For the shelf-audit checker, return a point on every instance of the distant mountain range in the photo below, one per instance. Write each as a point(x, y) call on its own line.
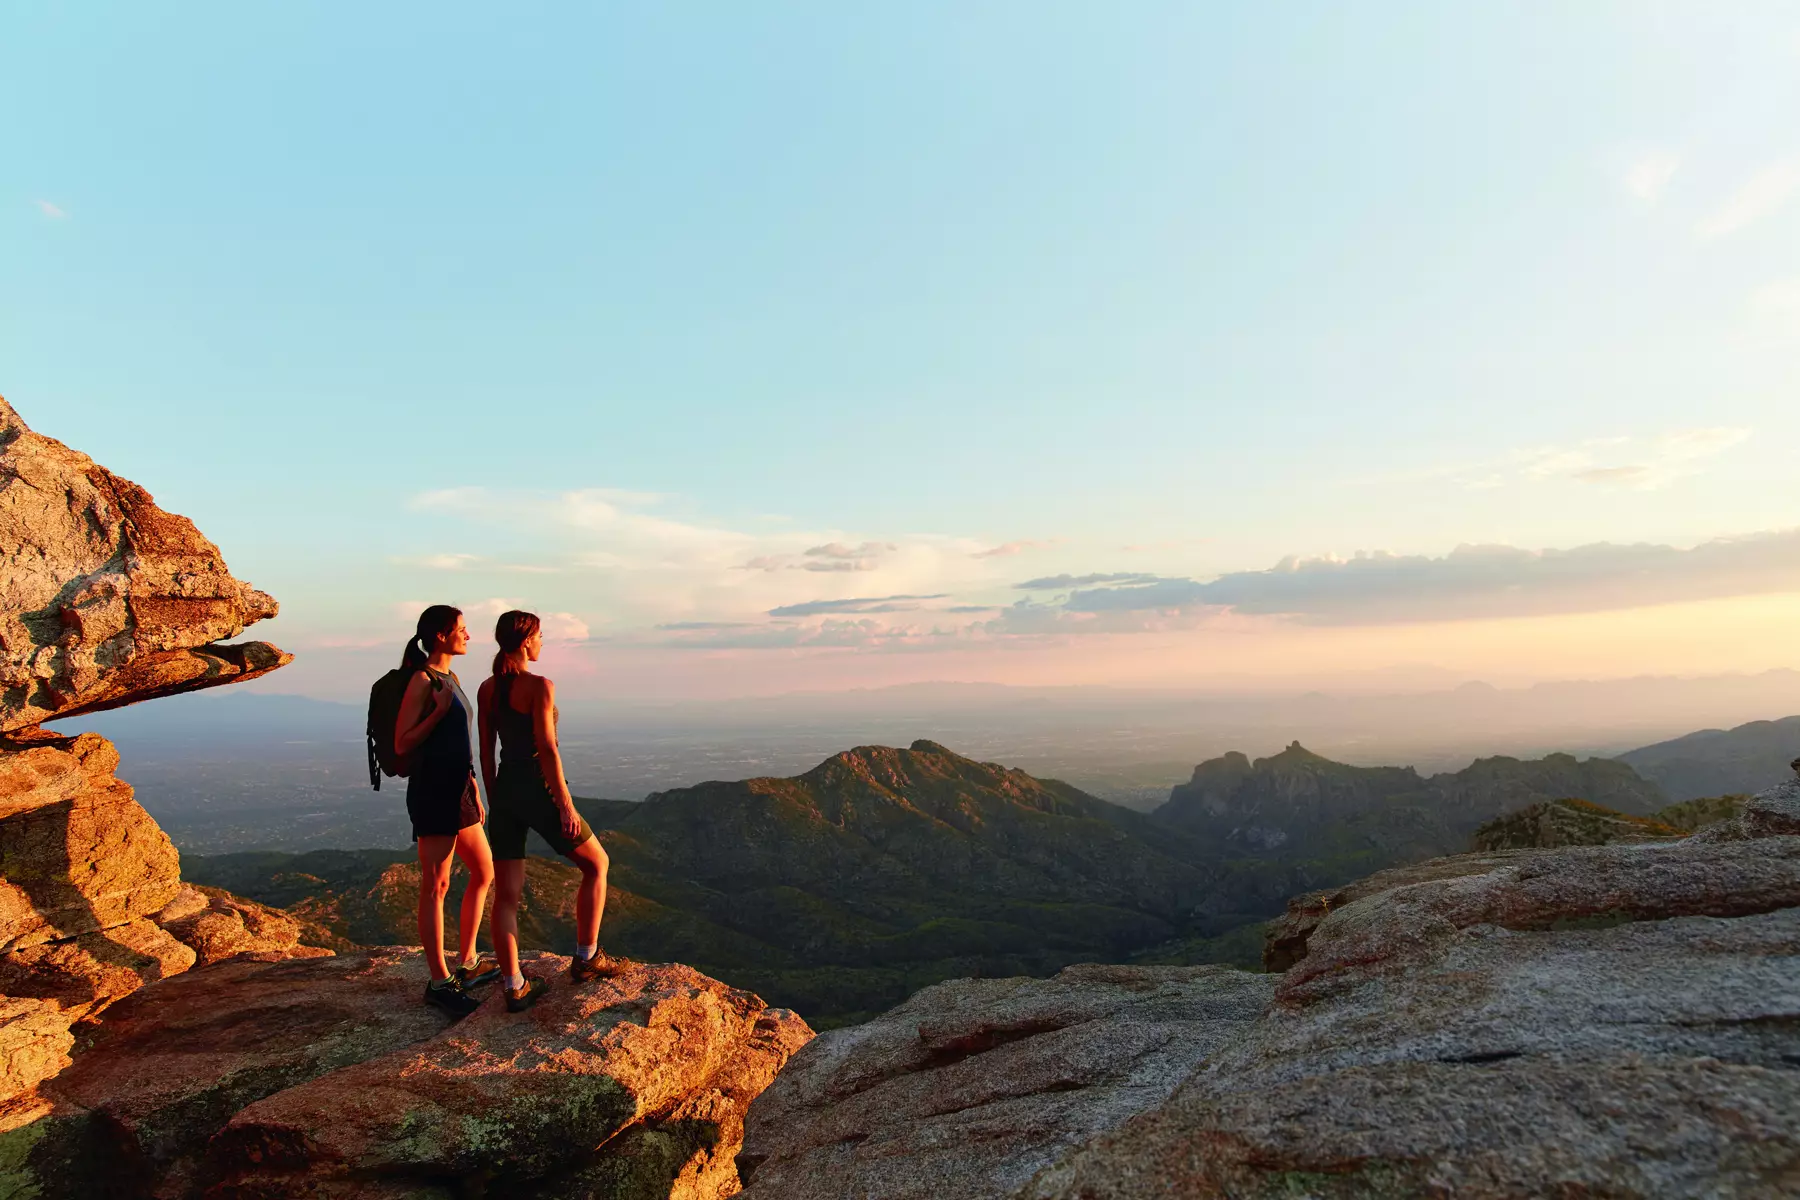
point(1713, 762)
point(842, 890)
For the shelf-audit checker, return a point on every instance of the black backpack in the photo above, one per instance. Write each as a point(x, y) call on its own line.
point(384, 717)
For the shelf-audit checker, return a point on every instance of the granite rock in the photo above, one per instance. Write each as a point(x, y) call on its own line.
point(1619, 1021)
point(638, 1083)
point(105, 599)
point(973, 1086)
point(228, 925)
point(329, 1077)
point(77, 853)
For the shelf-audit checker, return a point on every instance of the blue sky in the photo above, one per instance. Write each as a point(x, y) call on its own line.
point(664, 318)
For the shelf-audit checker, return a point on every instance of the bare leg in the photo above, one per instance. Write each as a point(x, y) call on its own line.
point(472, 848)
point(434, 882)
point(590, 901)
point(509, 884)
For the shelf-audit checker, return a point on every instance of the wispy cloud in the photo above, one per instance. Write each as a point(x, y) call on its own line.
point(1646, 175)
point(1471, 582)
point(1051, 583)
point(1643, 462)
point(1763, 193)
point(557, 626)
point(839, 550)
point(1009, 549)
point(52, 211)
point(864, 604)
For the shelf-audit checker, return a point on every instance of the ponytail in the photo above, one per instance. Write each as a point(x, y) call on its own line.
point(434, 621)
point(512, 631)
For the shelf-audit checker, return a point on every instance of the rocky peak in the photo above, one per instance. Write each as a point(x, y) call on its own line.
point(105, 599)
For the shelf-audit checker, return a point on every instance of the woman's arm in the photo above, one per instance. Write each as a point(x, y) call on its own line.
point(484, 705)
point(424, 705)
point(543, 724)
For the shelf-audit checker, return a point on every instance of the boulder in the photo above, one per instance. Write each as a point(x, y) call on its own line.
point(1285, 939)
point(77, 853)
point(972, 1087)
point(329, 1077)
point(86, 974)
point(228, 925)
point(105, 599)
point(172, 1063)
point(1773, 813)
point(1612, 1020)
point(632, 1086)
point(34, 1045)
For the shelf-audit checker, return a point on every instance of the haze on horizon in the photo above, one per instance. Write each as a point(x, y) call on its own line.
point(804, 348)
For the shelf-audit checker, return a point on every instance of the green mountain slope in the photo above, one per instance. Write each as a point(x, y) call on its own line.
point(1554, 823)
point(1316, 823)
point(1713, 762)
point(838, 892)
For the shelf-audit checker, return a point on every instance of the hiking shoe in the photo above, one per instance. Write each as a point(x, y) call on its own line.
point(450, 997)
point(601, 966)
point(520, 999)
point(485, 971)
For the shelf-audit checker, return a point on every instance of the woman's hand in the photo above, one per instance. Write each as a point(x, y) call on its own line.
point(571, 820)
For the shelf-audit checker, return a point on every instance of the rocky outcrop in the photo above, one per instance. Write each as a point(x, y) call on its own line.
point(77, 853)
point(1611, 1020)
point(218, 926)
point(1616, 1020)
point(1285, 938)
point(105, 599)
point(328, 1077)
point(972, 1087)
point(1555, 823)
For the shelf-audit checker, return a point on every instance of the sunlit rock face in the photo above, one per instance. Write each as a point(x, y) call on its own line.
point(105, 599)
point(326, 1077)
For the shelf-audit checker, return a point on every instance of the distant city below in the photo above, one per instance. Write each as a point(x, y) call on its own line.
point(242, 769)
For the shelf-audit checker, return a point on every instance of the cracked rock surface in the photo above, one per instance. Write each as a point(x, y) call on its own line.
point(1607, 1020)
point(1617, 1020)
point(973, 1086)
point(322, 1077)
point(105, 599)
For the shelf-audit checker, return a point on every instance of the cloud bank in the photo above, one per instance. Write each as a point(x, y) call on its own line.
point(1472, 582)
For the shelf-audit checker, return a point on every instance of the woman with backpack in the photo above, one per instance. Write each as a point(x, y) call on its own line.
point(530, 793)
point(435, 730)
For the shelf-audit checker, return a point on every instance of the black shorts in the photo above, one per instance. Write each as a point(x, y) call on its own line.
point(439, 807)
point(521, 804)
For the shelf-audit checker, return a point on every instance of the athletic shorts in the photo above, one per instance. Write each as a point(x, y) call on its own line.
point(523, 803)
point(442, 806)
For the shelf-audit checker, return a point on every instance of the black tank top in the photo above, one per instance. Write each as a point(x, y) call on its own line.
point(518, 740)
point(447, 752)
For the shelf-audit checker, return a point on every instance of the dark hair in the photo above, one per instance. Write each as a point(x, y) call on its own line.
point(512, 631)
point(435, 621)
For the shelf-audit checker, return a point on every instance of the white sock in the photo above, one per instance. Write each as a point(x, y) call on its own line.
point(516, 982)
point(587, 951)
point(471, 960)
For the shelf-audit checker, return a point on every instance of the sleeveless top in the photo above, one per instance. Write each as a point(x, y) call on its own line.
point(447, 755)
point(518, 739)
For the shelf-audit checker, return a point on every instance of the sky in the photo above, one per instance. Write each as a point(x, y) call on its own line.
point(809, 346)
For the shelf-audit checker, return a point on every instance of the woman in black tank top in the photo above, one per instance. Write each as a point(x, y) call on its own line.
point(444, 800)
point(530, 795)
